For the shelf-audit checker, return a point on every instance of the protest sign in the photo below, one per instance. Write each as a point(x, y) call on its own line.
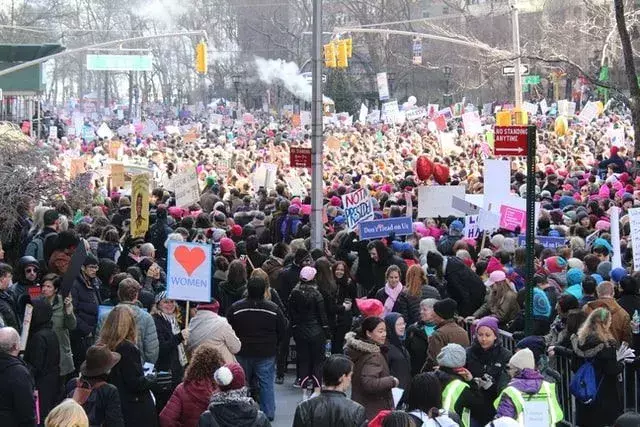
point(139, 205)
point(488, 221)
point(189, 271)
point(634, 222)
point(546, 241)
point(448, 143)
point(512, 218)
point(358, 207)
point(114, 149)
point(376, 229)
point(77, 167)
point(446, 113)
point(305, 118)
point(616, 136)
point(487, 109)
point(530, 108)
point(435, 201)
point(265, 176)
point(471, 122)
point(117, 175)
point(104, 132)
point(416, 113)
point(389, 111)
point(73, 271)
point(432, 110)
point(471, 228)
point(26, 323)
point(185, 187)
point(614, 216)
point(464, 206)
point(498, 173)
point(589, 112)
point(383, 86)
point(296, 186)
point(563, 107)
point(373, 117)
point(440, 122)
point(363, 114)
point(53, 132)
point(544, 107)
point(571, 109)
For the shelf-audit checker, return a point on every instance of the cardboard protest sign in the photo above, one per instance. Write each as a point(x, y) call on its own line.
point(26, 323)
point(357, 207)
point(379, 228)
point(114, 149)
point(634, 222)
point(435, 201)
point(189, 271)
point(448, 143)
point(389, 111)
point(139, 205)
point(362, 117)
point(588, 113)
point(471, 228)
point(512, 218)
point(77, 167)
point(185, 187)
point(117, 175)
point(471, 122)
point(295, 184)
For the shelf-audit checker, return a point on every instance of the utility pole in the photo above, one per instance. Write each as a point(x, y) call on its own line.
point(316, 129)
point(517, 78)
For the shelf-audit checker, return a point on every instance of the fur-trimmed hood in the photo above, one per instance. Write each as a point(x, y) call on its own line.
point(588, 348)
point(356, 348)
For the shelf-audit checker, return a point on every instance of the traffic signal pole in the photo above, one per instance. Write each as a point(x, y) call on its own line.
point(316, 129)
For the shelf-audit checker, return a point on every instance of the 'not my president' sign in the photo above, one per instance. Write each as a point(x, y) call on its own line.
point(357, 207)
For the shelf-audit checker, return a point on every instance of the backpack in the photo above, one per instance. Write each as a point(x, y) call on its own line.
point(83, 390)
point(584, 385)
point(35, 248)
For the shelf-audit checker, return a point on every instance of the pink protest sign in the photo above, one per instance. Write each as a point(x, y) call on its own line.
point(510, 218)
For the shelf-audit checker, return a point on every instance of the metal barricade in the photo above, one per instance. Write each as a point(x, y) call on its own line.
point(630, 387)
point(565, 399)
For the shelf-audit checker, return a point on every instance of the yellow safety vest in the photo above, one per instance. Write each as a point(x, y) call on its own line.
point(546, 394)
point(450, 397)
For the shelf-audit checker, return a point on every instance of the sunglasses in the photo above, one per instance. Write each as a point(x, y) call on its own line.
point(31, 270)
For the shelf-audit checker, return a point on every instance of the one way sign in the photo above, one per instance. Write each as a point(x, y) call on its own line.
point(510, 70)
point(510, 141)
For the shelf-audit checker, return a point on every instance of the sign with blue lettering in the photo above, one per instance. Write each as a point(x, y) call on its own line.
point(401, 226)
point(357, 207)
point(545, 241)
point(189, 271)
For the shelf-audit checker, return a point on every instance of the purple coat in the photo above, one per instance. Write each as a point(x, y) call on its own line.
point(528, 381)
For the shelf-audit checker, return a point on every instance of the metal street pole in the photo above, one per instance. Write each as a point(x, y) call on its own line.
point(531, 227)
point(316, 128)
point(517, 78)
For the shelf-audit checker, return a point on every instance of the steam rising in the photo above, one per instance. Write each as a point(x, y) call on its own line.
point(286, 73)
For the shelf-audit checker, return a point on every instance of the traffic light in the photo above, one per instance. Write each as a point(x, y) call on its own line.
point(330, 55)
point(201, 57)
point(350, 46)
point(342, 54)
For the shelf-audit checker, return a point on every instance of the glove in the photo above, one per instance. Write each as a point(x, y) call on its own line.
point(624, 353)
point(151, 376)
point(485, 382)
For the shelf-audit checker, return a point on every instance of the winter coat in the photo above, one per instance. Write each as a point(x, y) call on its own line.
point(399, 363)
point(108, 250)
point(287, 280)
point(371, 380)
point(62, 324)
point(446, 333)
point(379, 268)
point(188, 401)
point(228, 294)
point(85, 300)
point(103, 406)
point(620, 319)
point(16, 393)
point(471, 398)
point(446, 243)
point(417, 343)
point(307, 313)
point(505, 310)
point(232, 409)
point(406, 305)
point(42, 356)
point(8, 311)
point(630, 303)
point(493, 362)
point(147, 336)
point(330, 408)
point(209, 326)
point(272, 266)
point(168, 354)
point(138, 408)
point(528, 381)
point(158, 233)
point(464, 286)
point(260, 326)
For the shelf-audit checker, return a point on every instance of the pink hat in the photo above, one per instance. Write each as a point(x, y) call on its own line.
point(370, 307)
point(305, 210)
point(307, 274)
point(602, 225)
point(227, 247)
point(496, 276)
point(494, 265)
point(604, 192)
point(296, 201)
point(335, 201)
point(419, 228)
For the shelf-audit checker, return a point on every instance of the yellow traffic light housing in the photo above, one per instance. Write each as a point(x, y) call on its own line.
point(201, 58)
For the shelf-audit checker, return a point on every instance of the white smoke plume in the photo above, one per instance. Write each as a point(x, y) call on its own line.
point(286, 73)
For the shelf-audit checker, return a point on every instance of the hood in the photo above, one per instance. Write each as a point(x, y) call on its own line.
point(559, 278)
point(233, 290)
point(199, 391)
point(356, 348)
point(272, 263)
point(528, 381)
point(588, 348)
point(42, 313)
point(231, 410)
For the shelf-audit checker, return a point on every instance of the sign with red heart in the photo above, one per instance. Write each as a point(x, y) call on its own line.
point(189, 271)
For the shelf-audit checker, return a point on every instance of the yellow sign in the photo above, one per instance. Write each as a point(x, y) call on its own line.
point(139, 205)
point(117, 175)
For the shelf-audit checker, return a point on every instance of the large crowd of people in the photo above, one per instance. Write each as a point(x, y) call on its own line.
point(398, 331)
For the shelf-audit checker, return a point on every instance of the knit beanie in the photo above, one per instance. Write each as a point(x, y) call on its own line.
point(488, 322)
point(555, 264)
point(604, 269)
point(541, 304)
point(574, 277)
point(523, 359)
point(227, 246)
point(494, 265)
point(534, 343)
point(452, 356)
point(446, 308)
point(617, 274)
point(230, 377)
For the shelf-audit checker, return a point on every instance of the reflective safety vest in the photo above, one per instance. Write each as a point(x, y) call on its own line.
point(450, 397)
point(538, 409)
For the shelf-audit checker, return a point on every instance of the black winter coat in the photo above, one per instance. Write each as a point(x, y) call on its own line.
point(471, 398)
point(42, 355)
point(492, 362)
point(8, 311)
point(85, 306)
point(331, 408)
point(404, 305)
point(287, 280)
point(464, 286)
point(108, 250)
point(168, 358)
point(103, 405)
point(234, 414)
point(228, 294)
point(399, 364)
point(417, 344)
point(260, 326)
point(137, 404)
point(17, 405)
point(307, 313)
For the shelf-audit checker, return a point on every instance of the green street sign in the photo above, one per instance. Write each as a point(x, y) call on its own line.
point(120, 62)
point(531, 80)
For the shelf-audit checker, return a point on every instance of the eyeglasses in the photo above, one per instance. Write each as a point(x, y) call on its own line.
point(31, 270)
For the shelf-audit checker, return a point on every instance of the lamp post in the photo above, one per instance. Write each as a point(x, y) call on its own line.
point(236, 84)
point(446, 99)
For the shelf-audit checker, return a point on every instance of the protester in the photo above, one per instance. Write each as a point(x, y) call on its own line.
point(67, 414)
point(397, 355)
point(236, 285)
point(8, 308)
point(446, 332)
point(372, 381)
point(332, 407)
point(424, 402)
point(417, 340)
point(86, 299)
point(620, 319)
point(26, 283)
point(208, 326)
point(16, 383)
point(394, 298)
point(191, 397)
point(347, 294)
point(502, 300)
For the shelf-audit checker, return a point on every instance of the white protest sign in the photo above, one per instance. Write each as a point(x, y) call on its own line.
point(172, 130)
point(476, 199)
point(416, 113)
point(265, 176)
point(26, 323)
point(448, 143)
point(536, 413)
point(295, 185)
point(530, 108)
point(464, 206)
point(498, 173)
point(488, 221)
point(383, 86)
point(185, 186)
point(471, 122)
point(189, 271)
point(471, 229)
point(305, 118)
point(373, 117)
point(616, 136)
point(357, 207)
point(120, 114)
point(389, 111)
point(435, 201)
point(53, 132)
point(614, 215)
point(588, 113)
point(363, 114)
point(104, 132)
point(544, 107)
point(572, 109)
point(563, 107)
point(634, 222)
point(486, 109)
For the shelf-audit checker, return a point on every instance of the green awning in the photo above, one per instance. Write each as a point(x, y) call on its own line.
point(27, 52)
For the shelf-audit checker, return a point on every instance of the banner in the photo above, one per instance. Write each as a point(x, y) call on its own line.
point(185, 186)
point(117, 175)
point(416, 113)
point(383, 86)
point(471, 122)
point(376, 229)
point(435, 201)
point(139, 205)
point(189, 271)
point(363, 114)
point(512, 218)
point(614, 215)
point(545, 241)
point(358, 207)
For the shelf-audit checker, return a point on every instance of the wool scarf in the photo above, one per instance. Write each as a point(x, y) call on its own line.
point(392, 297)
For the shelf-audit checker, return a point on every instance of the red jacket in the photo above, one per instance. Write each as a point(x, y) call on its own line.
point(186, 404)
